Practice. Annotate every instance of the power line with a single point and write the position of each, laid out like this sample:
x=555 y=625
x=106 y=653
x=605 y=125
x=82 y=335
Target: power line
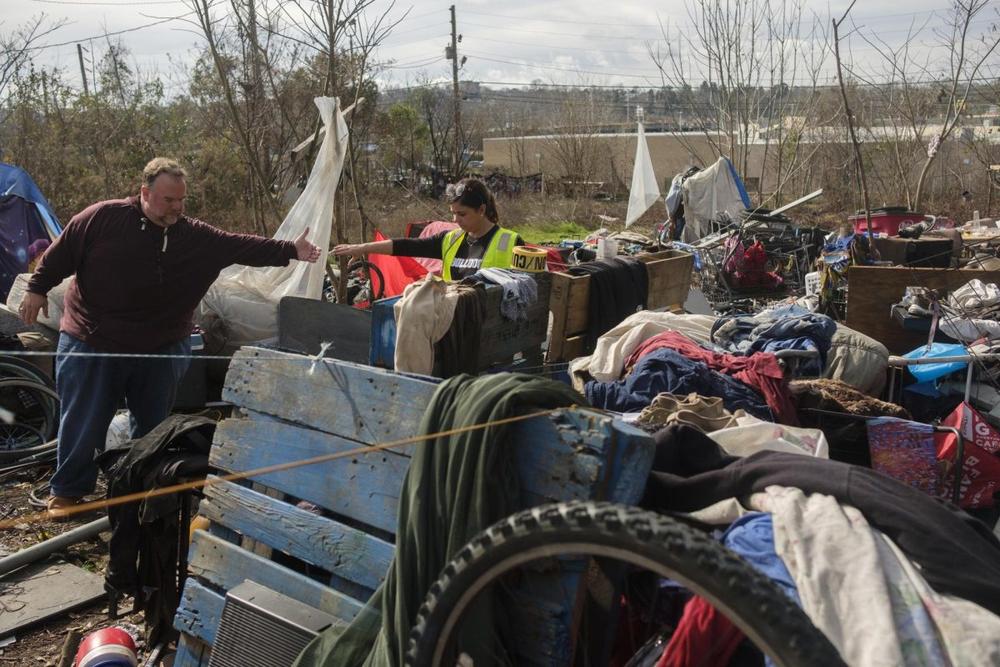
x=815 y=21
x=109 y=34
x=109 y=4
x=561 y=69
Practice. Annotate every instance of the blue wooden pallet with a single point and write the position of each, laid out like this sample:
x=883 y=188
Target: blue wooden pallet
x=287 y=413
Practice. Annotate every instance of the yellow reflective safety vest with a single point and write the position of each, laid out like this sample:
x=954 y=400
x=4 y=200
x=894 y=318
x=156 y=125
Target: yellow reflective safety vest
x=498 y=254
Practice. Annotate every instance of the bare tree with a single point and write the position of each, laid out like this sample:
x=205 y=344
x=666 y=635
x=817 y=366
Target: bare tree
x=17 y=46
x=858 y=158
x=924 y=106
x=758 y=63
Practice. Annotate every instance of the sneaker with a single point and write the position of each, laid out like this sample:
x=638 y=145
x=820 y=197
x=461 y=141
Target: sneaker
x=57 y=508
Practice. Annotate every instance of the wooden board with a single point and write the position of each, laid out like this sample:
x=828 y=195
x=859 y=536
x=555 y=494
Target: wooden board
x=190 y=653
x=873 y=289
x=199 y=611
x=669 y=276
x=347 y=552
x=503 y=338
x=362 y=403
x=305 y=324
x=225 y=566
x=362 y=487
x=40 y=592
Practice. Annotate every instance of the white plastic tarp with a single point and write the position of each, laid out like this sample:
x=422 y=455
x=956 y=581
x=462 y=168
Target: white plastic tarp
x=246 y=298
x=709 y=193
x=644 y=191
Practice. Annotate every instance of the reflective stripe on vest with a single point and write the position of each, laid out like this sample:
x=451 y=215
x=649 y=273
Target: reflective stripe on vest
x=498 y=255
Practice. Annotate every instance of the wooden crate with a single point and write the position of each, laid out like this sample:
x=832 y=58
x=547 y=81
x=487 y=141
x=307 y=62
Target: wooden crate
x=873 y=289
x=289 y=414
x=669 y=274
x=501 y=338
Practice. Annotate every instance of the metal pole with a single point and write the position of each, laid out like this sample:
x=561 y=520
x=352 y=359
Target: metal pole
x=457 y=100
x=42 y=549
x=968 y=382
x=963 y=358
x=83 y=71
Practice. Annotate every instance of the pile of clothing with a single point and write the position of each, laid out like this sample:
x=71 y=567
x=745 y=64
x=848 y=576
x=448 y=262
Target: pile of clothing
x=730 y=358
x=889 y=575
x=788 y=327
x=973 y=312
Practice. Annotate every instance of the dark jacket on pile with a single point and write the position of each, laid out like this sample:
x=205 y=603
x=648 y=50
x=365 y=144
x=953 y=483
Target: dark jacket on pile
x=144 y=537
x=618 y=287
x=667 y=370
x=957 y=554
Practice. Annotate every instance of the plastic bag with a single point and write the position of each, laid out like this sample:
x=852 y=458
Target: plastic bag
x=246 y=298
x=928 y=372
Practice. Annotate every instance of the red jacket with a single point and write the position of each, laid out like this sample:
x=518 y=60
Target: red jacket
x=137 y=284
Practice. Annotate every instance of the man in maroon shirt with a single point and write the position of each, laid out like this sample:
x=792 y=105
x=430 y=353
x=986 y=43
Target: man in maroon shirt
x=141 y=269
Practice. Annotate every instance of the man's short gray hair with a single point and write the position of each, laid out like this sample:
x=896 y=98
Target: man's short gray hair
x=161 y=165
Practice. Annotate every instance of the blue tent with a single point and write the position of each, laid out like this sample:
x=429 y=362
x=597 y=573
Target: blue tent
x=26 y=218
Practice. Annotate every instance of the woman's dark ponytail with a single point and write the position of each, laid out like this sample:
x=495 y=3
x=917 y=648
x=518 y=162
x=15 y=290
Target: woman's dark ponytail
x=473 y=193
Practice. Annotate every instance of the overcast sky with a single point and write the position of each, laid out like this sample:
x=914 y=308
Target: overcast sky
x=514 y=42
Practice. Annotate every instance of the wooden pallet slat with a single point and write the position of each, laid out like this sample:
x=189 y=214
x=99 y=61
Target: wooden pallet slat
x=347 y=552
x=362 y=487
x=361 y=403
x=199 y=611
x=225 y=566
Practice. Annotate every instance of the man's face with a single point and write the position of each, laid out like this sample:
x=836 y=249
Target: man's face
x=163 y=201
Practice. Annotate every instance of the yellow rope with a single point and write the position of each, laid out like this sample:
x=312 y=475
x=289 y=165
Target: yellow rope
x=38 y=517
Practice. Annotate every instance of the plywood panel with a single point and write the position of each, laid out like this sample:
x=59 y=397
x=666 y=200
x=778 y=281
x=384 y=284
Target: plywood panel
x=872 y=290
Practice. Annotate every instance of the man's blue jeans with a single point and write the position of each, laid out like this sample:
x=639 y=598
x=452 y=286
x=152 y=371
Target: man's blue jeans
x=90 y=391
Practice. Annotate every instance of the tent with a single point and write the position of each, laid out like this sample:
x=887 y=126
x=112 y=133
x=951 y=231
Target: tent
x=709 y=195
x=27 y=224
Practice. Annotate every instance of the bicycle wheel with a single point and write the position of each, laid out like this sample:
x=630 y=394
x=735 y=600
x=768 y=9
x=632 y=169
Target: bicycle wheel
x=13 y=367
x=31 y=403
x=374 y=277
x=18 y=437
x=555 y=534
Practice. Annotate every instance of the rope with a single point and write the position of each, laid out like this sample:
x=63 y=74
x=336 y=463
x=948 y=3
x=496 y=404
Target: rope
x=39 y=517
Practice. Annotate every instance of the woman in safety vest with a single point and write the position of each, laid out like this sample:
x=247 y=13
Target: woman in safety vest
x=478 y=243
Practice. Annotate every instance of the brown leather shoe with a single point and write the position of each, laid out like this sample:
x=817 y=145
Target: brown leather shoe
x=58 y=507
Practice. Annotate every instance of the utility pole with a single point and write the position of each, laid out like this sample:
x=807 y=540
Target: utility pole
x=83 y=71
x=457 y=99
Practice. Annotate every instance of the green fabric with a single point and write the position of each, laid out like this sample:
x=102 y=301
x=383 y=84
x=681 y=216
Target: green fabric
x=455 y=487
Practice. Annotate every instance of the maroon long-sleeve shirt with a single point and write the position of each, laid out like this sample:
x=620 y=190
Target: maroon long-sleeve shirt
x=137 y=284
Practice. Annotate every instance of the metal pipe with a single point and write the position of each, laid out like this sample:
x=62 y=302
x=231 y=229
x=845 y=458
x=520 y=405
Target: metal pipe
x=43 y=549
x=964 y=358
x=968 y=382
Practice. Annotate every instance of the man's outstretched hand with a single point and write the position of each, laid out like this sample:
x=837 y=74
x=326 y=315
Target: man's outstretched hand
x=30 y=305
x=306 y=251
